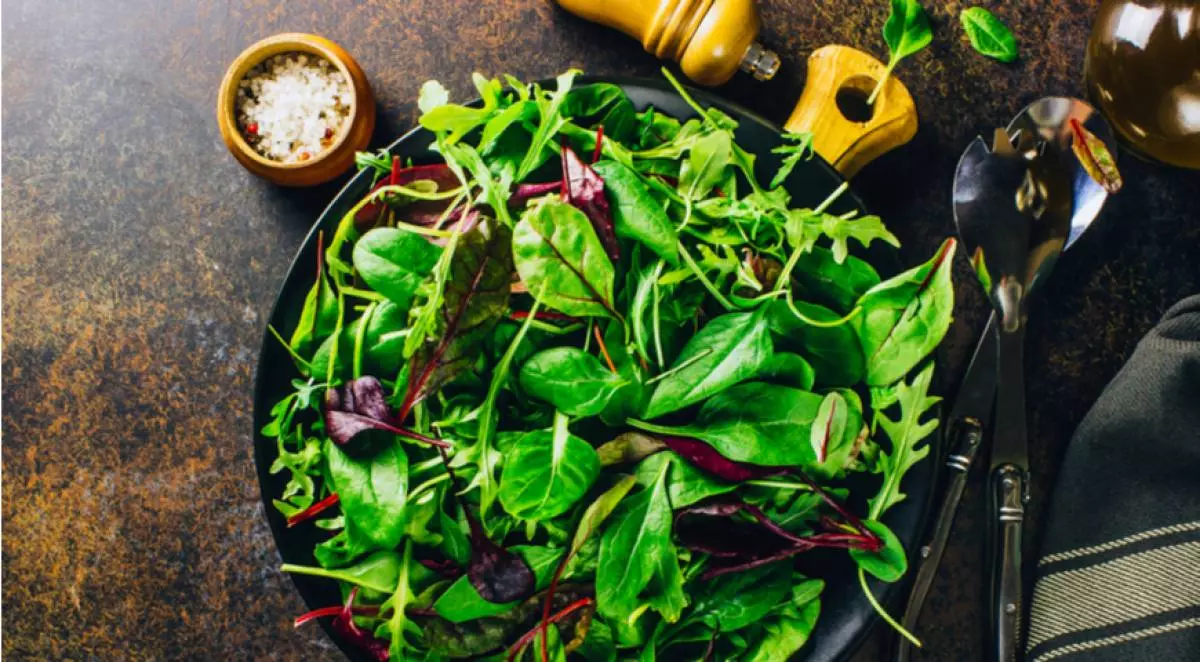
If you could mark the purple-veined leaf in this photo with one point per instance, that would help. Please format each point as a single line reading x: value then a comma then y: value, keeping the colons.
x: 361, y: 405
x: 584, y: 189
x: 1095, y: 158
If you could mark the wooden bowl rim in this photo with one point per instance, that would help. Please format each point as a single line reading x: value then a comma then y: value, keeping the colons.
x: 254, y: 55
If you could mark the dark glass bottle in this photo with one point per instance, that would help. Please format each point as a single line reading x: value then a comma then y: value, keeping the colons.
x: 1143, y: 72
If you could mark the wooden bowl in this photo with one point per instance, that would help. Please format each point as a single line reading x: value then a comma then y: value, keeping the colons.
x: 352, y: 137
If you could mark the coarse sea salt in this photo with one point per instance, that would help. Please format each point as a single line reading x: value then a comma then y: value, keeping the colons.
x: 291, y: 106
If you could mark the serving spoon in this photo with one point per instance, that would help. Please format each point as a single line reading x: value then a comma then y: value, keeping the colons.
x: 1048, y: 122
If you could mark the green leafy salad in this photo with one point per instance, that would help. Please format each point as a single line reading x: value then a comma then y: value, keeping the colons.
x: 582, y: 387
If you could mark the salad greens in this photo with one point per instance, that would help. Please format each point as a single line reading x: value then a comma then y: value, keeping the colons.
x: 988, y: 34
x: 906, y: 32
x: 584, y: 388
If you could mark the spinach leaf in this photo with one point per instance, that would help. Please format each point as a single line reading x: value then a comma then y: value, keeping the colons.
x: 454, y: 541
x: 905, y: 434
x: 394, y: 262
x: 630, y: 550
x: 906, y: 32
x: 988, y: 35
x: 318, y: 317
x: 805, y: 227
x: 686, y: 484
x: 637, y: 214
x: 475, y: 297
x: 705, y: 166
x: 598, y: 511
x: 817, y: 277
x: 556, y: 248
x: 729, y: 349
x: 772, y: 432
x: 664, y: 592
x: 630, y: 399
x: 547, y: 472
x: 606, y: 105
x: 376, y: 575
x: 785, y: 634
x: 570, y: 379
x: 888, y: 564
x: 834, y: 352
x: 788, y: 369
x: 731, y: 602
x: 904, y: 318
x: 461, y: 602
x: 373, y: 491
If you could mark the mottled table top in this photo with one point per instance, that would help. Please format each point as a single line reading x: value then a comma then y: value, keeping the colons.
x: 140, y: 261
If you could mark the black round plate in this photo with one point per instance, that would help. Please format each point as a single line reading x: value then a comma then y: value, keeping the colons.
x: 846, y: 616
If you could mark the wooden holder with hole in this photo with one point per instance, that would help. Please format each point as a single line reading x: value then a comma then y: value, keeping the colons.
x: 840, y: 79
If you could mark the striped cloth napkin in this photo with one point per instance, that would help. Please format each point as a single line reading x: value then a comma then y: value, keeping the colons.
x: 1119, y: 574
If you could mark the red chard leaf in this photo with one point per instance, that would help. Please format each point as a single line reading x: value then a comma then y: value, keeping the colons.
x: 706, y: 458
x: 584, y: 189
x: 419, y: 212
x: 359, y: 406
x: 526, y: 192
x: 476, y: 297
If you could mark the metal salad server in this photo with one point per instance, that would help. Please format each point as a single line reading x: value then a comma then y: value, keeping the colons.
x: 1047, y: 120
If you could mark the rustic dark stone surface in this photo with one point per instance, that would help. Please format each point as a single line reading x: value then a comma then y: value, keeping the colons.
x: 140, y: 261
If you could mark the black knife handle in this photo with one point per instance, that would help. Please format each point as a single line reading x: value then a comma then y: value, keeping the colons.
x: 968, y: 438
x: 1008, y: 489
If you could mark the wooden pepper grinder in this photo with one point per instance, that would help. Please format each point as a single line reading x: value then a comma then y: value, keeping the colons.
x: 712, y: 39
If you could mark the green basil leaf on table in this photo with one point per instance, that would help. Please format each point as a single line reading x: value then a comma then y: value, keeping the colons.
x: 556, y: 248
x: 394, y: 262
x: 631, y: 548
x: 906, y: 32
x: 988, y: 35
x: 904, y: 318
x: 547, y: 472
x: 372, y: 490
x: 834, y: 352
x: 637, y: 215
x: 729, y: 349
x: 570, y: 379
x: 888, y: 564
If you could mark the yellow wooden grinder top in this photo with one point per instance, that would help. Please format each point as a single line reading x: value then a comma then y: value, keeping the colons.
x: 710, y: 39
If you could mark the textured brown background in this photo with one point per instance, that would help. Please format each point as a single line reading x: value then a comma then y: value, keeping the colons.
x: 140, y: 261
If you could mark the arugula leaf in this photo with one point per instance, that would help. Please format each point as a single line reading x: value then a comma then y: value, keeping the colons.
x: 547, y: 472
x: 373, y: 491
x: 397, y: 627
x: 571, y: 380
x: 557, y: 252
x: 988, y: 35
x: 805, y: 227
x: 905, y: 317
x: 630, y: 550
x: 454, y: 542
x: 795, y: 146
x: 729, y: 349
x: 906, y: 434
x: 906, y: 32
x: 394, y: 262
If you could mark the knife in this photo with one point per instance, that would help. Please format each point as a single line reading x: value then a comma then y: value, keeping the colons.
x: 967, y: 423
